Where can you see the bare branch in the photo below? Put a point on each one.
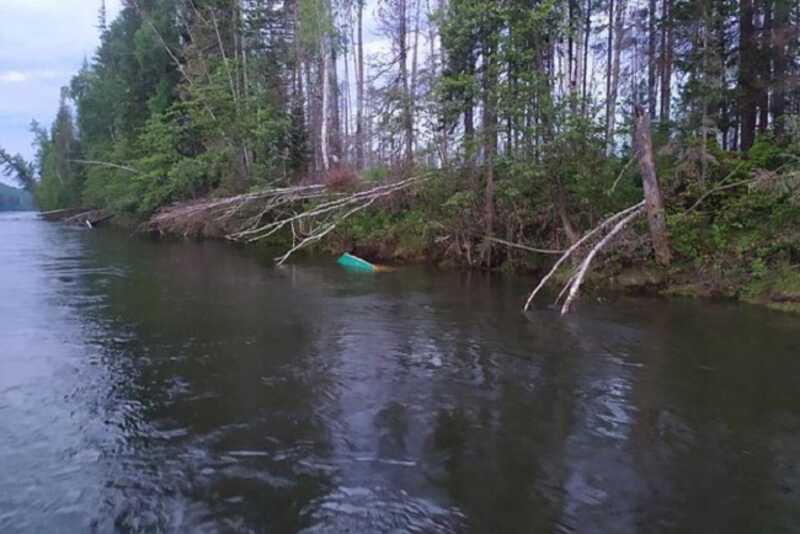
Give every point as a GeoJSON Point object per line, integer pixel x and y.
{"type": "Point", "coordinates": [578, 278]}
{"type": "Point", "coordinates": [525, 247]}
{"type": "Point", "coordinates": [575, 246]}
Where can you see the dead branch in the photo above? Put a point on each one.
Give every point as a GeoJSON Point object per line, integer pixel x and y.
{"type": "Point", "coordinates": [525, 247]}
{"type": "Point", "coordinates": [319, 234]}
{"type": "Point", "coordinates": [260, 232]}
{"type": "Point", "coordinates": [577, 280]}
{"type": "Point", "coordinates": [576, 245]}
{"type": "Point", "coordinates": [267, 211]}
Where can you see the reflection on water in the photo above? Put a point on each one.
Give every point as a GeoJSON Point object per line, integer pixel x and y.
{"type": "Point", "coordinates": [181, 386]}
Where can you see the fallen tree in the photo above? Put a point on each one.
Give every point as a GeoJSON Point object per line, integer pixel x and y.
{"type": "Point", "coordinates": [311, 212]}
{"type": "Point", "coordinates": [652, 205]}
{"type": "Point", "coordinates": [619, 220]}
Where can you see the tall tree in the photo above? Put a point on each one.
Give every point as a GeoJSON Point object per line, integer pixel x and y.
{"type": "Point", "coordinates": [667, 44]}
{"type": "Point", "coordinates": [652, 62]}
{"type": "Point", "coordinates": [748, 75]}
{"type": "Point", "coordinates": [781, 33]}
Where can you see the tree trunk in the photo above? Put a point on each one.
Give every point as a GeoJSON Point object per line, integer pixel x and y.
{"type": "Point", "coordinates": [748, 72]}
{"type": "Point", "coordinates": [323, 134]}
{"type": "Point", "coordinates": [619, 26]}
{"type": "Point", "coordinates": [560, 203]}
{"type": "Point", "coordinates": [609, 61]}
{"type": "Point", "coordinates": [652, 192]}
{"type": "Point", "coordinates": [765, 76]}
{"type": "Point", "coordinates": [335, 113]}
{"type": "Point", "coordinates": [346, 139]}
{"type": "Point", "coordinates": [587, 34]}
{"type": "Point", "coordinates": [724, 105]}
{"type": "Point", "coordinates": [666, 59]}
{"type": "Point", "coordinates": [572, 54]}
{"type": "Point", "coordinates": [651, 61]}
{"type": "Point", "coordinates": [408, 117]}
{"type": "Point", "coordinates": [414, 58]}
{"type": "Point", "coordinates": [360, 88]}
{"type": "Point", "coordinates": [780, 38]}
{"type": "Point", "coordinates": [489, 136]}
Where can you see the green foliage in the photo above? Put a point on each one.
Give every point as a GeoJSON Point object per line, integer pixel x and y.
{"type": "Point", "coordinates": [376, 174]}
{"type": "Point", "coordinates": [765, 154]}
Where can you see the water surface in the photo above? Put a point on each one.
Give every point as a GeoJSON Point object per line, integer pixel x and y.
{"type": "Point", "coordinates": [192, 387]}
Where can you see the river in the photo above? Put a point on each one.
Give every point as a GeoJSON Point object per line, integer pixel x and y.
{"type": "Point", "coordinates": [193, 387]}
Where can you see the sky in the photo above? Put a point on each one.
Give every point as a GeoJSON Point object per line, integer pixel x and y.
{"type": "Point", "coordinates": [42, 45]}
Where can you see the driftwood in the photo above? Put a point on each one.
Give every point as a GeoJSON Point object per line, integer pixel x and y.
{"type": "Point", "coordinates": [62, 214]}
{"type": "Point", "coordinates": [90, 218]}
{"type": "Point", "coordinates": [77, 216]}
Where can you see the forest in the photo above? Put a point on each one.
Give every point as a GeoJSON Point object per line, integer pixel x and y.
{"type": "Point", "coordinates": [521, 115]}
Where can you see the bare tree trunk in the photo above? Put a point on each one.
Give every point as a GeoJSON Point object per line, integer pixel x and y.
{"type": "Point", "coordinates": [722, 53]}
{"type": "Point", "coordinates": [587, 34]}
{"type": "Point", "coordinates": [443, 148]}
{"type": "Point", "coordinates": [408, 119]}
{"type": "Point", "coordinates": [619, 27]}
{"type": "Point", "coordinates": [765, 76]}
{"type": "Point", "coordinates": [652, 192]}
{"type": "Point", "coordinates": [489, 138]}
{"type": "Point", "coordinates": [572, 56]}
{"type": "Point", "coordinates": [414, 54]}
{"type": "Point", "coordinates": [666, 60]}
{"type": "Point", "coordinates": [704, 125]}
{"type": "Point", "coordinates": [360, 88]}
{"type": "Point", "coordinates": [609, 60]}
{"type": "Point", "coordinates": [747, 75]}
{"type": "Point", "coordinates": [335, 115]}
{"type": "Point", "coordinates": [314, 114]}
{"type": "Point", "coordinates": [325, 104]}
{"type": "Point", "coordinates": [346, 107]}
{"type": "Point", "coordinates": [651, 61]}
{"type": "Point", "coordinates": [780, 38]}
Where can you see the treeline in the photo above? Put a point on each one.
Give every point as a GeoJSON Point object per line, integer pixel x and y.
{"type": "Point", "coordinates": [526, 106]}
{"type": "Point", "coordinates": [14, 199]}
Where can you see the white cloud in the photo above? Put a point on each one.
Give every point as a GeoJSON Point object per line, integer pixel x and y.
{"type": "Point", "coordinates": [42, 44]}
{"type": "Point", "coordinates": [18, 76]}
{"type": "Point", "coordinates": [13, 76]}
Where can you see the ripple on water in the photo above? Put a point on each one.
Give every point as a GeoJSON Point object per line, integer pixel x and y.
{"type": "Point", "coordinates": [379, 510]}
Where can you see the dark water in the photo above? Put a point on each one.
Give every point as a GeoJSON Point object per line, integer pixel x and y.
{"type": "Point", "coordinates": [191, 387]}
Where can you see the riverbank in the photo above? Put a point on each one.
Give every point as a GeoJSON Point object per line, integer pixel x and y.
{"type": "Point", "coordinates": [414, 230]}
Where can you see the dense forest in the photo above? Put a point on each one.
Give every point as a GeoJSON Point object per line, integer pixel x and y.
{"type": "Point", "coordinates": [522, 110]}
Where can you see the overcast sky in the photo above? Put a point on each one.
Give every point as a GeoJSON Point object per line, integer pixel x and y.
{"type": "Point", "coordinates": [42, 44]}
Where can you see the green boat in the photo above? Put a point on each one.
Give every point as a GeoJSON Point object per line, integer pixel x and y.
{"type": "Point", "coordinates": [354, 263]}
